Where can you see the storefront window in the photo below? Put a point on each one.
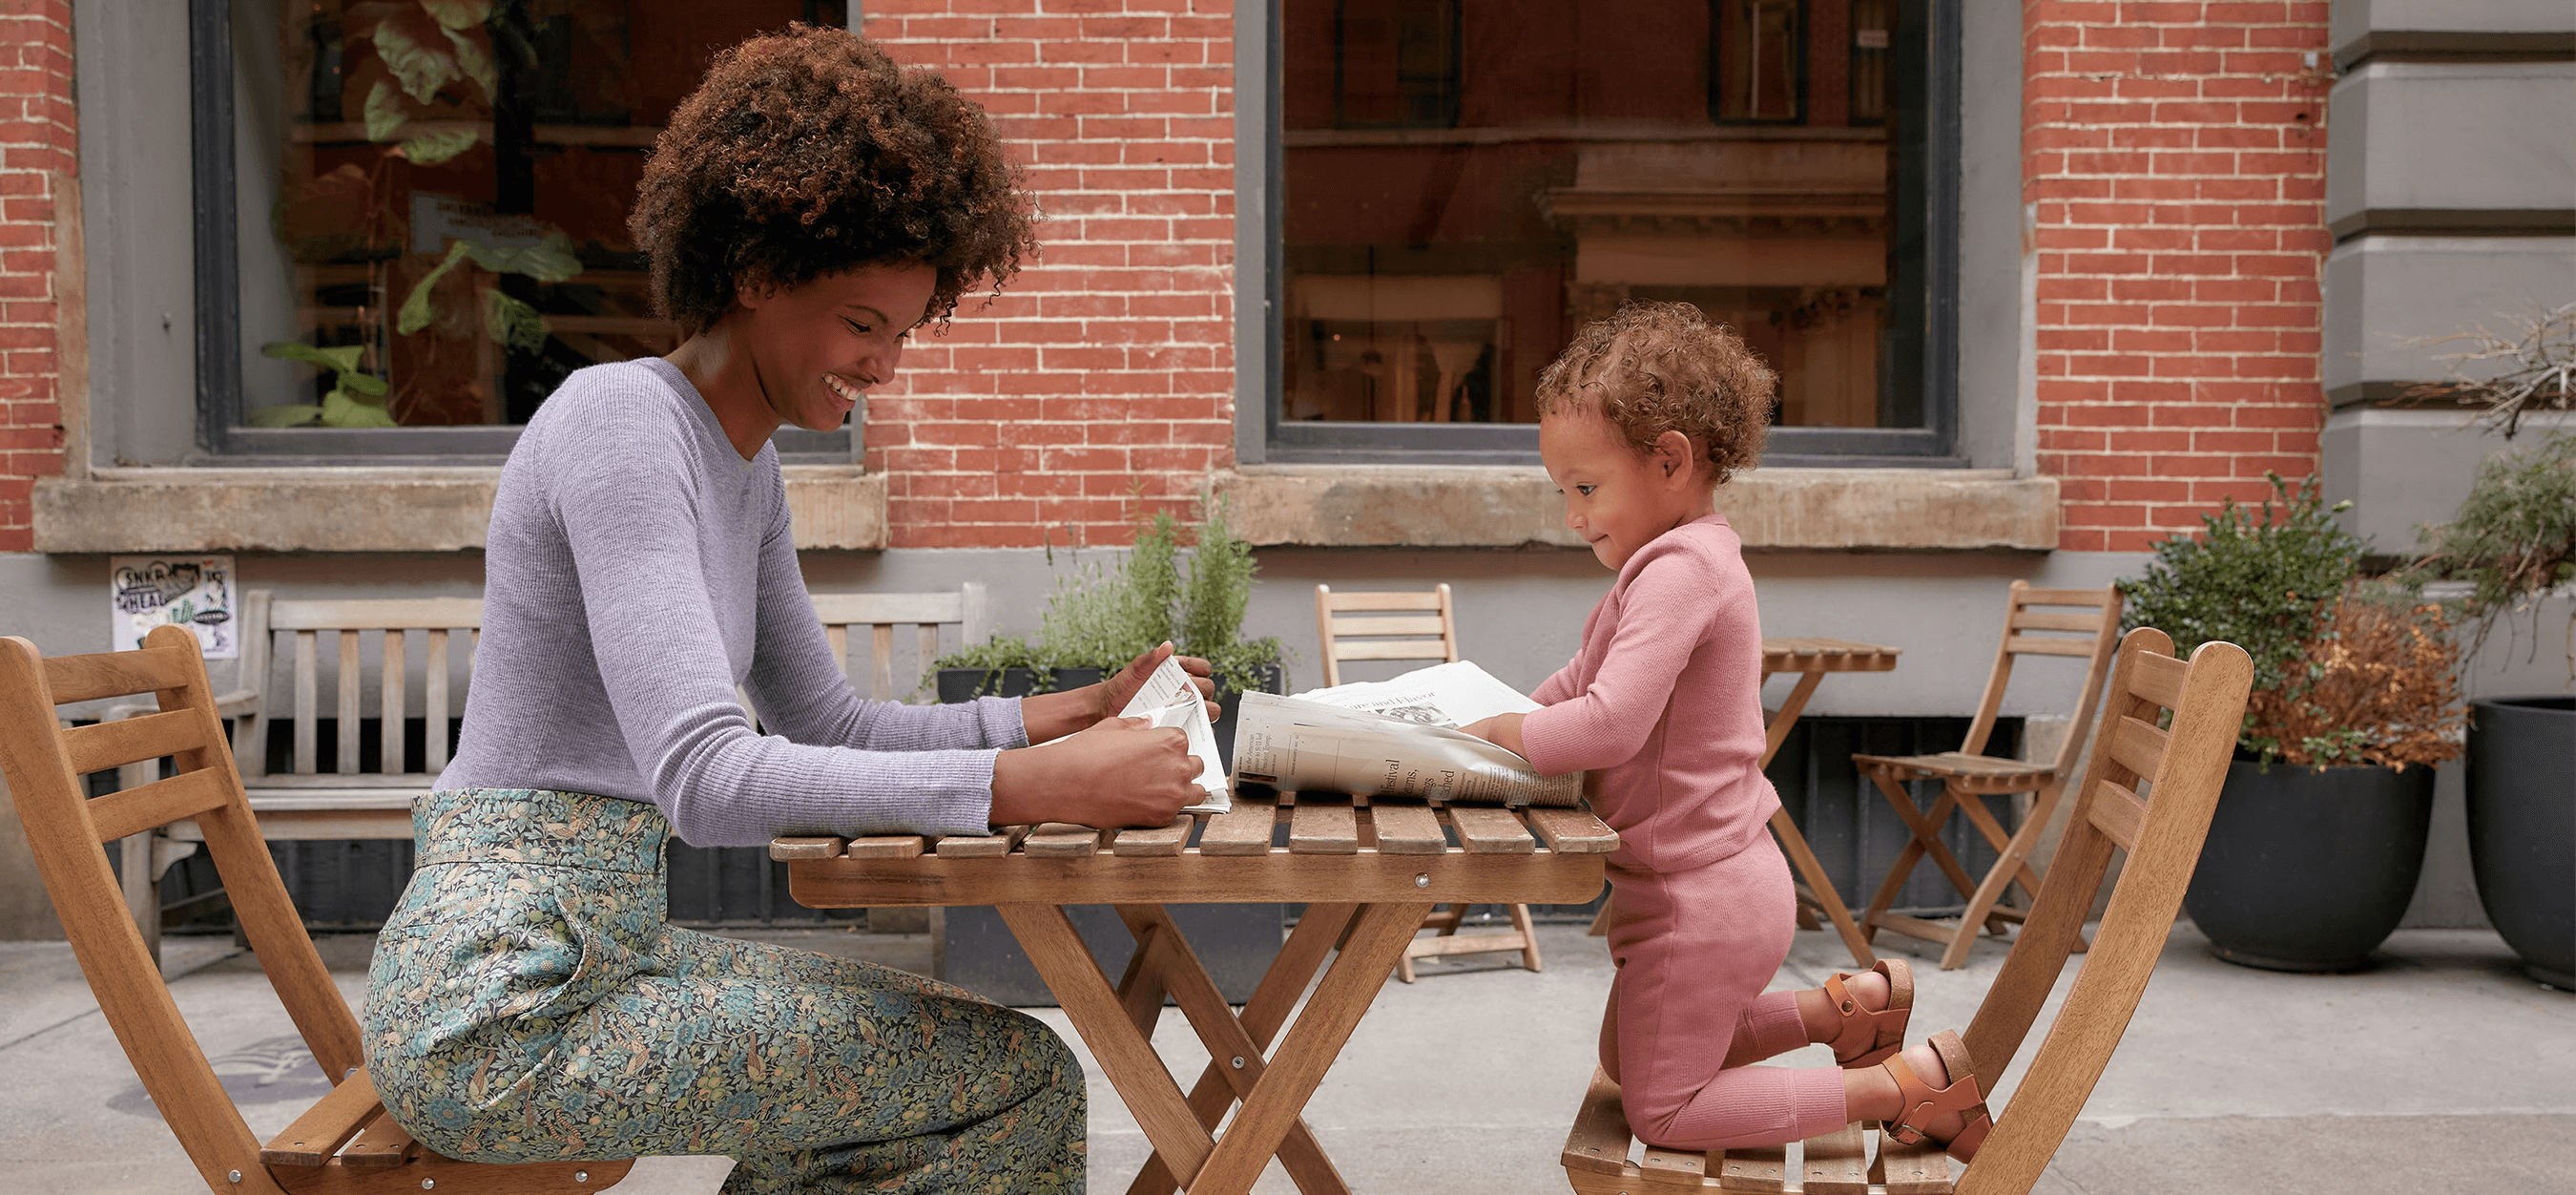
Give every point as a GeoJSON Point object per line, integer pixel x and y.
{"type": "Point", "coordinates": [1462, 185]}
{"type": "Point", "coordinates": [431, 200]}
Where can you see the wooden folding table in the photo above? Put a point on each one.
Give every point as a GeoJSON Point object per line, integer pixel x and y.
{"type": "Point", "coordinates": [1811, 658]}
{"type": "Point", "coordinates": [1367, 872]}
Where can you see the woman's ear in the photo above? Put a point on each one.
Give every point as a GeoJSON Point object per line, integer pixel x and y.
{"type": "Point", "coordinates": [752, 288]}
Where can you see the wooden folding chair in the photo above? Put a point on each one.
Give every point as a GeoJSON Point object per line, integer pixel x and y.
{"type": "Point", "coordinates": [2148, 791]}
{"type": "Point", "coordinates": [2081, 623]}
{"type": "Point", "coordinates": [44, 763]}
{"type": "Point", "coordinates": [1412, 626]}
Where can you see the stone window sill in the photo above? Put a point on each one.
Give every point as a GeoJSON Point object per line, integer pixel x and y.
{"type": "Point", "coordinates": [1355, 506]}
{"type": "Point", "coordinates": [364, 509]}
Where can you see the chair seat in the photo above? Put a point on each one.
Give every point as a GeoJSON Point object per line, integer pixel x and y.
{"type": "Point", "coordinates": [1851, 1160]}
{"type": "Point", "coordinates": [1972, 773]}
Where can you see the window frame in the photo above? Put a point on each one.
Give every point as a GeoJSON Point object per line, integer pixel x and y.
{"type": "Point", "coordinates": [220, 397]}
{"type": "Point", "coordinates": [1261, 238]}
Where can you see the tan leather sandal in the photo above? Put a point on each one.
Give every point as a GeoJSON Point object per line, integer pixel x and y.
{"type": "Point", "coordinates": [1924, 1102]}
{"type": "Point", "coordinates": [1867, 1038]}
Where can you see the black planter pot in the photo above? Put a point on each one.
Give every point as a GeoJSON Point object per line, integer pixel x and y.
{"type": "Point", "coordinates": [2522, 828]}
{"type": "Point", "coordinates": [2306, 870]}
{"type": "Point", "coordinates": [1274, 679]}
{"type": "Point", "coordinates": [967, 684]}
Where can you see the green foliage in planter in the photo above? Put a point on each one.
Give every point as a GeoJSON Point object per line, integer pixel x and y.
{"type": "Point", "coordinates": [993, 655]}
{"type": "Point", "coordinates": [2514, 537]}
{"type": "Point", "coordinates": [2258, 577]}
{"type": "Point", "coordinates": [1103, 616]}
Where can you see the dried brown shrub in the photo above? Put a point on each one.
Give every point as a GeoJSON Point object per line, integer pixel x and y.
{"type": "Point", "coordinates": [2381, 687]}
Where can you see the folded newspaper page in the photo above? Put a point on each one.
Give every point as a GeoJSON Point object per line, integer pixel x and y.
{"type": "Point", "coordinates": [1169, 699]}
{"type": "Point", "coordinates": [1398, 737]}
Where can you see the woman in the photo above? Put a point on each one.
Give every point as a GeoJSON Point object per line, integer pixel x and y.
{"type": "Point", "coordinates": [808, 207]}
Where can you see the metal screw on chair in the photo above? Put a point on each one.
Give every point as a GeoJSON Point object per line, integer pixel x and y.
{"type": "Point", "coordinates": [581, 1176]}
{"type": "Point", "coordinates": [1238, 1062]}
{"type": "Point", "coordinates": [427, 1183]}
{"type": "Point", "coordinates": [234, 1175]}
{"type": "Point", "coordinates": [1422, 879]}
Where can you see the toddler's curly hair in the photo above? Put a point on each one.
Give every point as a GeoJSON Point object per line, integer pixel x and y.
{"type": "Point", "coordinates": [810, 152]}
{"type": "Point", "coordinates": [1658, 367]}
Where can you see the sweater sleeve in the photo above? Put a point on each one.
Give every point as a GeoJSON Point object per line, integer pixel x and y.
{"type": "Point", "coordinates": [629, 515]}
{"type": "Point", "coordinates": [1662, 618]}
{"type": "Point", "coordinates": [802, 695]}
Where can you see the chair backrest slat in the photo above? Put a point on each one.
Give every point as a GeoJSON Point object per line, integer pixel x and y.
{"type": "Point", "coordinates": [130, 740]}
{"type": "Point", "coordinates": [2087, 627]}
{"type": "Point", "coordinates": [308, 689]}
{"type": "Point", "coordinates": [1406, 625]}
{"type": "Point", "coordinates": [2163, 835]}
{"type": "Point", "coordinates": [391, 682]}
{"type": "Point", "coordinates": [347, 763]}
{"type": "Point", "coordinates": [2117, 813]}
{"type": "Point", "coordinates": [159, 803]}
{"type": "Point", "coordinates": [968, 608]}
{"type": "Point", "coordinates": [434, 707]}
{"type": "Point", "coordinates": [2137, 745]}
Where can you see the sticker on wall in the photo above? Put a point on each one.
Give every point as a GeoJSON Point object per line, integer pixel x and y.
{"type": "Point", "coordinates": [195, 592]}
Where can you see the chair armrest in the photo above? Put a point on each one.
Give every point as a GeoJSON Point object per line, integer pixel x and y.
{"type": "Point", "coordinates": [327, 1125]}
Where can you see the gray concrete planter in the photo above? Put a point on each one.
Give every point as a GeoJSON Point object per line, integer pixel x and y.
{"type": "Point", "coordinates": [2308, 870]}
{"type": "Point", "coordinates": [2522, 828]}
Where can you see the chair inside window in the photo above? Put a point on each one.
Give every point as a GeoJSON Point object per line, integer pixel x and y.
{"type": "Point", "coordinates": [1377, 625]}
{"type": "Point", "coordinates": [345, 1142]}
{"type": "Point", "coordinates": [2149, 790]}
{"type": "Point", "coordinates": [2073, 623]}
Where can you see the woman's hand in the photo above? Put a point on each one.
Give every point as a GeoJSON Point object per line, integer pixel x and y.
{"type": "Point", "coordinates": [1048, 716]}
{"type": "Point", "coordinates": [1120, 772]}
{"type": "Point", "coordinates": [1121, 688]}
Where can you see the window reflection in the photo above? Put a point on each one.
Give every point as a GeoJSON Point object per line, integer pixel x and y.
{"type": "Point", "coordinates": [1464, 184]}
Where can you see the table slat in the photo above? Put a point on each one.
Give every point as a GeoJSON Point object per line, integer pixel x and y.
{"type": "Point", "coordinates": [1242, 830]}
{"type": "Point", "coordinates": [1320, 824]}
{"type": "Point", "coordinates": [1485, 830]}
{"type": "Point", "coordinates": [1406, 829]}
{"type": "Point", "coordinates": [1572, 831]}
{"type": "Point", "coordinates": [979, 846]}
{"type": "Point", "coordinates": [1165, 840]}
{"type": "Point", "coordinates": [904, 846]}
{"type": "Point", "coordinates": [791, 849]}
{"type": "Point", "coordinates": [1061, 840]}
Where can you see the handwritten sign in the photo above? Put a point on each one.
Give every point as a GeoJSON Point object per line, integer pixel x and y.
{"type": "Point", "coordinates": [196, 592]}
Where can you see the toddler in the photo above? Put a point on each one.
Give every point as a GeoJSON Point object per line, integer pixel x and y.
{"type": "Point", "coordinates": [1640, 420]}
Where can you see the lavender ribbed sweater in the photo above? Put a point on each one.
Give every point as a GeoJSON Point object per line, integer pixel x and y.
{"type": "Point", "coordinates": [637, 570]}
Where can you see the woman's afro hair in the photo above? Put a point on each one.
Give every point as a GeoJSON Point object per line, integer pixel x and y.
{"type": "Point", "coordinates": [810, 152]}
{"type": "Point", "coordinates": [1658, 367]}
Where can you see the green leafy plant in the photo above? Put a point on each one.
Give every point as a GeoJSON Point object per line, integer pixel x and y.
{"type": "Point", "coordinates": [1104, 615]}
{"type": "Point", "coordinates": [427, 46]}
{"type": "Point", "coordinates": [2260, 577]}
{"type": "Point", "coordinates": [2513, 540]}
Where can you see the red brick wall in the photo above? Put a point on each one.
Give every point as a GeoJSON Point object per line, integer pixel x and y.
{"type": "Point", "coordinates": [1107, 369]}
{"type": "Point", "coordinates": [38, 160]}
{"type": "Point", "coordinates": [2175, 153]}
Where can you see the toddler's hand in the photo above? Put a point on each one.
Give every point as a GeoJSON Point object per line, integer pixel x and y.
{"type": "Point", "coordinates": [1502, 730]}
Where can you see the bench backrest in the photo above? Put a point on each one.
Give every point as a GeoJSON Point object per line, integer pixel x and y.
{"type": "Point", "coordinates": [383, 635]}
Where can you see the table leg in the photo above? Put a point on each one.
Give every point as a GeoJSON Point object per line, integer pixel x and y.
{"type": "Point", "coordinates": [1778, 730]}
{"type": "Point", "coordinates": [1096, 1012]}
{"type": "Point", "coordinates": [1233, 1053]}
{"type": "Point", "coordinates": [1298, 1066]}
{"type": "Point", "coordinates": [1820, 887]}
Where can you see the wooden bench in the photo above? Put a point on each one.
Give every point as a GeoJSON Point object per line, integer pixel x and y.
{"type": "Point", "coordinates": [420, 655]}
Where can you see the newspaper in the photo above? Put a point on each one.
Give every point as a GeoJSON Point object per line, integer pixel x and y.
{"type": "Point", "coordinates": [1168, 698]}
{"type": "Point", "coordinates": [1397, 737]}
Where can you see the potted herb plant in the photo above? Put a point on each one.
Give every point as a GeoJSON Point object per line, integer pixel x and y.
{"type": "Point", "coordinates": [2513, 542]}
{"type": "Point", "coordinates": [2320, 830]}
{"type": "Point", "coordinates": [1104, 615]}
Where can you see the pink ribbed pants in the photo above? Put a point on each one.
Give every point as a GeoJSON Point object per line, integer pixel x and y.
{"type": "Point", "coordinates": [1687, 1011]}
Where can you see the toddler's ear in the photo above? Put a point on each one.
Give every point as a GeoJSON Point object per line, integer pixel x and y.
{"type": "Point", "coordinates": [1673, 454]}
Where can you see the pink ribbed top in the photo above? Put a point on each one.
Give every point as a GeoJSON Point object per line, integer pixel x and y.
{"type": "Point", "coordinates": [1663, 704]}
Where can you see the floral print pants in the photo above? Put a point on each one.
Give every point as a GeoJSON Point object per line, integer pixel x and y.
{"type": "Point", "coordinates": [529, 1002]}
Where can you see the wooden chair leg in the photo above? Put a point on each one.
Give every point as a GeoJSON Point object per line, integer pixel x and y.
{"type": "Point", "coordinates": [1529, 937]}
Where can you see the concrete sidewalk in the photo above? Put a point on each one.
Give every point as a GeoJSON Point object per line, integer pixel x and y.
{"type": "Point", "coordinates": [2441, 1070]}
